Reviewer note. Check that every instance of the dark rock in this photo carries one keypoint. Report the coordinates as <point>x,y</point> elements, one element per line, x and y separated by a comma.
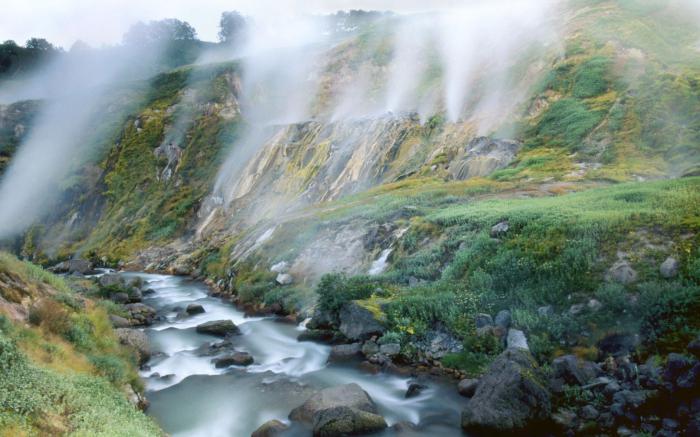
<point>694,347</point>
<point>348,395</point>
<point>338,421</point>
<point>345,351</point>
<point>235,359</point>
<point>219,328</point>
<point>669,268</point>
<point>322,320</point>
<point>148,292</point>
<point>135,295</point>
<point>631,400</point>
<point>141,314</point>
<point>611,389</point>
<point>467,387</point>
<point>510,396</point>
<point>617,344</point>
<point>573,370</point>
<point>120,298</point>
<point>503,319</point>
<point>137,340</point>
<point>390,349</point>
<point>118,321</point>
<point>271,428</point>
<point>317,335</point>
<point>80,266</point>
<point>670,424</point>
<point>359,323</point>
<point>415,389</point>
<point>482,320</point>
<point>211,349</point>
<point>690,379</point>
<point>589,412</point>
<point>370,348</point>
<point>676,365</point>
<point>566,419</point>
<point>499,229</point>
<point>194,308</point>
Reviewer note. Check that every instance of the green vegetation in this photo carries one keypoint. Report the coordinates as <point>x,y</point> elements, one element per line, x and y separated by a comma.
<point>64,372</point>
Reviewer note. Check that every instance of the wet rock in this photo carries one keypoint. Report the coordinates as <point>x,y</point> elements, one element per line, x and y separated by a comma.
<point>467,387</point>
<point>321,320</point>
<point>566,419</point>
<point>669,268</point>
<point>359,323</point>
<point>140,314</point>
<point>235,359</point>
<point>573,370</point>
<point>516,340</point>
<point>271,428</point>
<point>345,351</point>
<point>390,349</point>
<point>194,308</point>
<point>219,328</point>
<point>284,279</point>
<point>510,396</point>
<point>611,388</point>
<point>338,421</point>
<point>148,292</point>
<point>500,229</point>
<point>589,412</point>
<point>370,348</point>
<point>211,349</point>
<point>483,320</point>
<point>318,335</point>
<point>136,340</point>
<point>503,319</point>
<point>348,395</point>
<point>80,266</point>
<point>415,389</point>
<point>622,273</point>
<point>676,366</point>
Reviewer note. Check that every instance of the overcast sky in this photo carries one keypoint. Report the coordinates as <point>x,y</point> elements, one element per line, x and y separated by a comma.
<point>104,21</point>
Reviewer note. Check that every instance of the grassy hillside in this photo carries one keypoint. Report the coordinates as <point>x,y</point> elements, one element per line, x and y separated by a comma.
<point>64,372</point>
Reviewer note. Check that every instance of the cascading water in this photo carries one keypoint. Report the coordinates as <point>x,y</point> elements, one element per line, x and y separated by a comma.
<point>190,397</point>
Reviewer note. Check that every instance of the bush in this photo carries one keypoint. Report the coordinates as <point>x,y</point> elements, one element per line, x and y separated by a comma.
<point>591,78</point>
<point>668,314</point>
<point>51,316</point>
<point>419,311</point>
<point>336,289</point>
<point>110,367</point>
<point>566,123</point>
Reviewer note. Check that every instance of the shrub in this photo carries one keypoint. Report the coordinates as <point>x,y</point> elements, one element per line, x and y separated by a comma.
<point>50,315</point>
<point>566,123</point>
<point>591,78</point>
<point>335,289</point>
<point>417,312</point>
<point>110,367</point>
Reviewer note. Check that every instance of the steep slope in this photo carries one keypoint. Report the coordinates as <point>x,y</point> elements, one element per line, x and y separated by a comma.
<point>64,371</point>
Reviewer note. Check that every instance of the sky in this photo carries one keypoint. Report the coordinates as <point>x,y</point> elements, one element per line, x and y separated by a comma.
<point>98,22</point>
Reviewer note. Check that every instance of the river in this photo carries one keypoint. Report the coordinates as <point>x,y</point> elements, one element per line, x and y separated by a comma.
<point>190,397</point>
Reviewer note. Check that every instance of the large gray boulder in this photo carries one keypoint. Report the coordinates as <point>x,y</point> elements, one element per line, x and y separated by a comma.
<point>347,395</point>
<point>218,328</point>
<point>136,340</point>
<point>511,396</point>
<point>359,323</point>
<point>573,370</point>
<point>81,266</point>
<point>140,314</point>
<point>339,421</point>
<point>112,280</point>
<point>669,268</point>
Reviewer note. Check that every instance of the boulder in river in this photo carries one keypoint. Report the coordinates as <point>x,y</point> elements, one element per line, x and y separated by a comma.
<point>218,328</point>
<point>271,428</point>
<point>347,395</point>
<point>511,396</point>
<point>338,421</point>
<point>140,314</point>
<point>467,387</point>
<point>194,308</point>
<point>345,351</point>
<point>235,359</point>
<point>359,323</point>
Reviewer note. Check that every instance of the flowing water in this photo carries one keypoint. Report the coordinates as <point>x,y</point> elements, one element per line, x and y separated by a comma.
<point>190,397</point>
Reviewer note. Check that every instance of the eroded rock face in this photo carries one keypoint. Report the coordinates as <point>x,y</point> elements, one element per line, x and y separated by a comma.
<point>358,323</point>
<point>511,396</point>
<point>483,156</point>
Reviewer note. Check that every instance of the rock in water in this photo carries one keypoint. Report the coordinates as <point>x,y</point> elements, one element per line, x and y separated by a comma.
<point>511,396</point>
<point>348,395</point>
<point>219,328</point>
<point>270,428</point>
<point>235,359</point>
<point>467,387</point>
<point>358,323</point>
<point>339,421</point>
<point>194,308</point>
